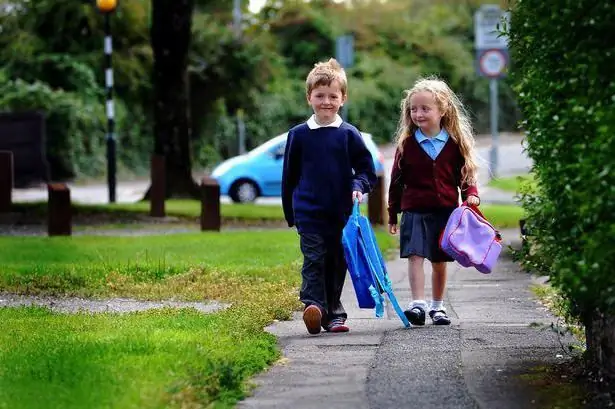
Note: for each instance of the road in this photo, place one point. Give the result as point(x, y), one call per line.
point(512, 161)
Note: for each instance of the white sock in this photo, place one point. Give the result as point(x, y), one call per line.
point(419, 303)
point(437, 305)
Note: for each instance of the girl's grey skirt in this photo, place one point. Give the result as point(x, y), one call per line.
point(419, 234)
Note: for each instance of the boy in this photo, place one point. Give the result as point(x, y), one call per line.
point(326, 167)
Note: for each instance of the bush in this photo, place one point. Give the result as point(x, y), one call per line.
point(562, 74)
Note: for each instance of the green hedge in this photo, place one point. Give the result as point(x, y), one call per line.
point(563, 62)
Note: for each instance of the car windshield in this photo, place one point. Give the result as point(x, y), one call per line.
point(268, 146)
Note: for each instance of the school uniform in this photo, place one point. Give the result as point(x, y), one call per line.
point(323, 165)
point(425, 187)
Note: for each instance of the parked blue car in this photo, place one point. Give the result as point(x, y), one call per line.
point(259, 172)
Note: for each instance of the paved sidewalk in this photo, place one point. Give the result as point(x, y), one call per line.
point(474, 363)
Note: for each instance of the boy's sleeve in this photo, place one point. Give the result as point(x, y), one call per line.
point(290, 177)
point(364, 178)
point(395, 189)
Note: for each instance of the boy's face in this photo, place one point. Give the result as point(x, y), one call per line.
point(326, 101)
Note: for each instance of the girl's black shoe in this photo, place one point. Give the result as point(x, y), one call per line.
point(439, 317)
point(416, 315)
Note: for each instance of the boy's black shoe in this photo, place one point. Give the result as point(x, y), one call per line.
point(416, 315)
point(439, 317)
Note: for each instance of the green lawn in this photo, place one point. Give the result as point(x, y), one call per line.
point(166, 358)
point(91, 265)
point(503, 216)
point(174, 207)
point(511, 184)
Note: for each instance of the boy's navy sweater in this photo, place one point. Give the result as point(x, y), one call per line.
point(322, 167)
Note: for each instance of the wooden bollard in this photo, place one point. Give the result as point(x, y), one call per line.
point(6, 180)
point(210, 205)
point(157, 189)
point(59, 212)
point(375, 203)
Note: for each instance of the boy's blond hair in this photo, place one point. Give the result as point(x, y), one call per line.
point(455, 121)
point(324, 73)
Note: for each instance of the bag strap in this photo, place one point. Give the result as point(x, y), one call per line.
point(475, 209)
point(356, 210)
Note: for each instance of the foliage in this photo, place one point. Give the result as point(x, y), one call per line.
point(562, 77)
point(58, 48)
point(50, 53)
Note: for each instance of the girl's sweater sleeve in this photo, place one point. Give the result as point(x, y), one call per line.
point(395, 189)
point(467, 190)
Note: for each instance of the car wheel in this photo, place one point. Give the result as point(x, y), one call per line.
point(244, 191)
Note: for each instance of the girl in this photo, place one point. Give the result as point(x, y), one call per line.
point(433, 160)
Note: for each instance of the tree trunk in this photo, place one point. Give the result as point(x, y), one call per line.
point(171, 32)
point(600, 342)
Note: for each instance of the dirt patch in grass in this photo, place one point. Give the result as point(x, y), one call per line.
point(114, 305)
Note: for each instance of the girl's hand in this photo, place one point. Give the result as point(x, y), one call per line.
point(393, 228)
point(473, 200)
point(357, 195)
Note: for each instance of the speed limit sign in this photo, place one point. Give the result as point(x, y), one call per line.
point(493, 63)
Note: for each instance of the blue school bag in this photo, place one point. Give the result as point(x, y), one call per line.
point(366, 266)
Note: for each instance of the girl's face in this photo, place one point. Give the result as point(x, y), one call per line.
point(326, 101)
point(425, 112)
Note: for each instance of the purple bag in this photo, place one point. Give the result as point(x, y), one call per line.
point(471, 240)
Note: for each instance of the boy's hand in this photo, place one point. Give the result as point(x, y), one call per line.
point(473, 200)
point(393, 228)
point(357, 195)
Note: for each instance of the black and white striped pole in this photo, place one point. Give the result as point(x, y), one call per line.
point(107, 7)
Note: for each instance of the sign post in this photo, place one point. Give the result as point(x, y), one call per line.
point(492, 61)
point(344, 54)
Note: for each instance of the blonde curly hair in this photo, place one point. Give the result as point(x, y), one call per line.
point(455, 121)
point(324, 73)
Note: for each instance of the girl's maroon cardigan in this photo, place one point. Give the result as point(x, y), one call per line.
point(419, 183)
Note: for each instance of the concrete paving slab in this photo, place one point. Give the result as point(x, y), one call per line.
point(477, 362)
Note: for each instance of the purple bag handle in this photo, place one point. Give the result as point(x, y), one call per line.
point(476, 210)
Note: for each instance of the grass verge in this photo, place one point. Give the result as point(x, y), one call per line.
point(186, 209)
point(503, 216)
point(511, 184)
point(125, 214)
point(166, 358)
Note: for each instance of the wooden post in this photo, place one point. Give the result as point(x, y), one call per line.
point(6, 180)
point(59, 212)
point(157, 191)
point(210, 205)
point(375, 203)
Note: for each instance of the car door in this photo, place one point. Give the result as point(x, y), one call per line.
point(271, 170)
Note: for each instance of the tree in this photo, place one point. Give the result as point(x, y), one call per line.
point(171, 32)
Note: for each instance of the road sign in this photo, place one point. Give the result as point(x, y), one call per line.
point(492, 63)
point(488, 21)
point(491, 45)
point(344, 50)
